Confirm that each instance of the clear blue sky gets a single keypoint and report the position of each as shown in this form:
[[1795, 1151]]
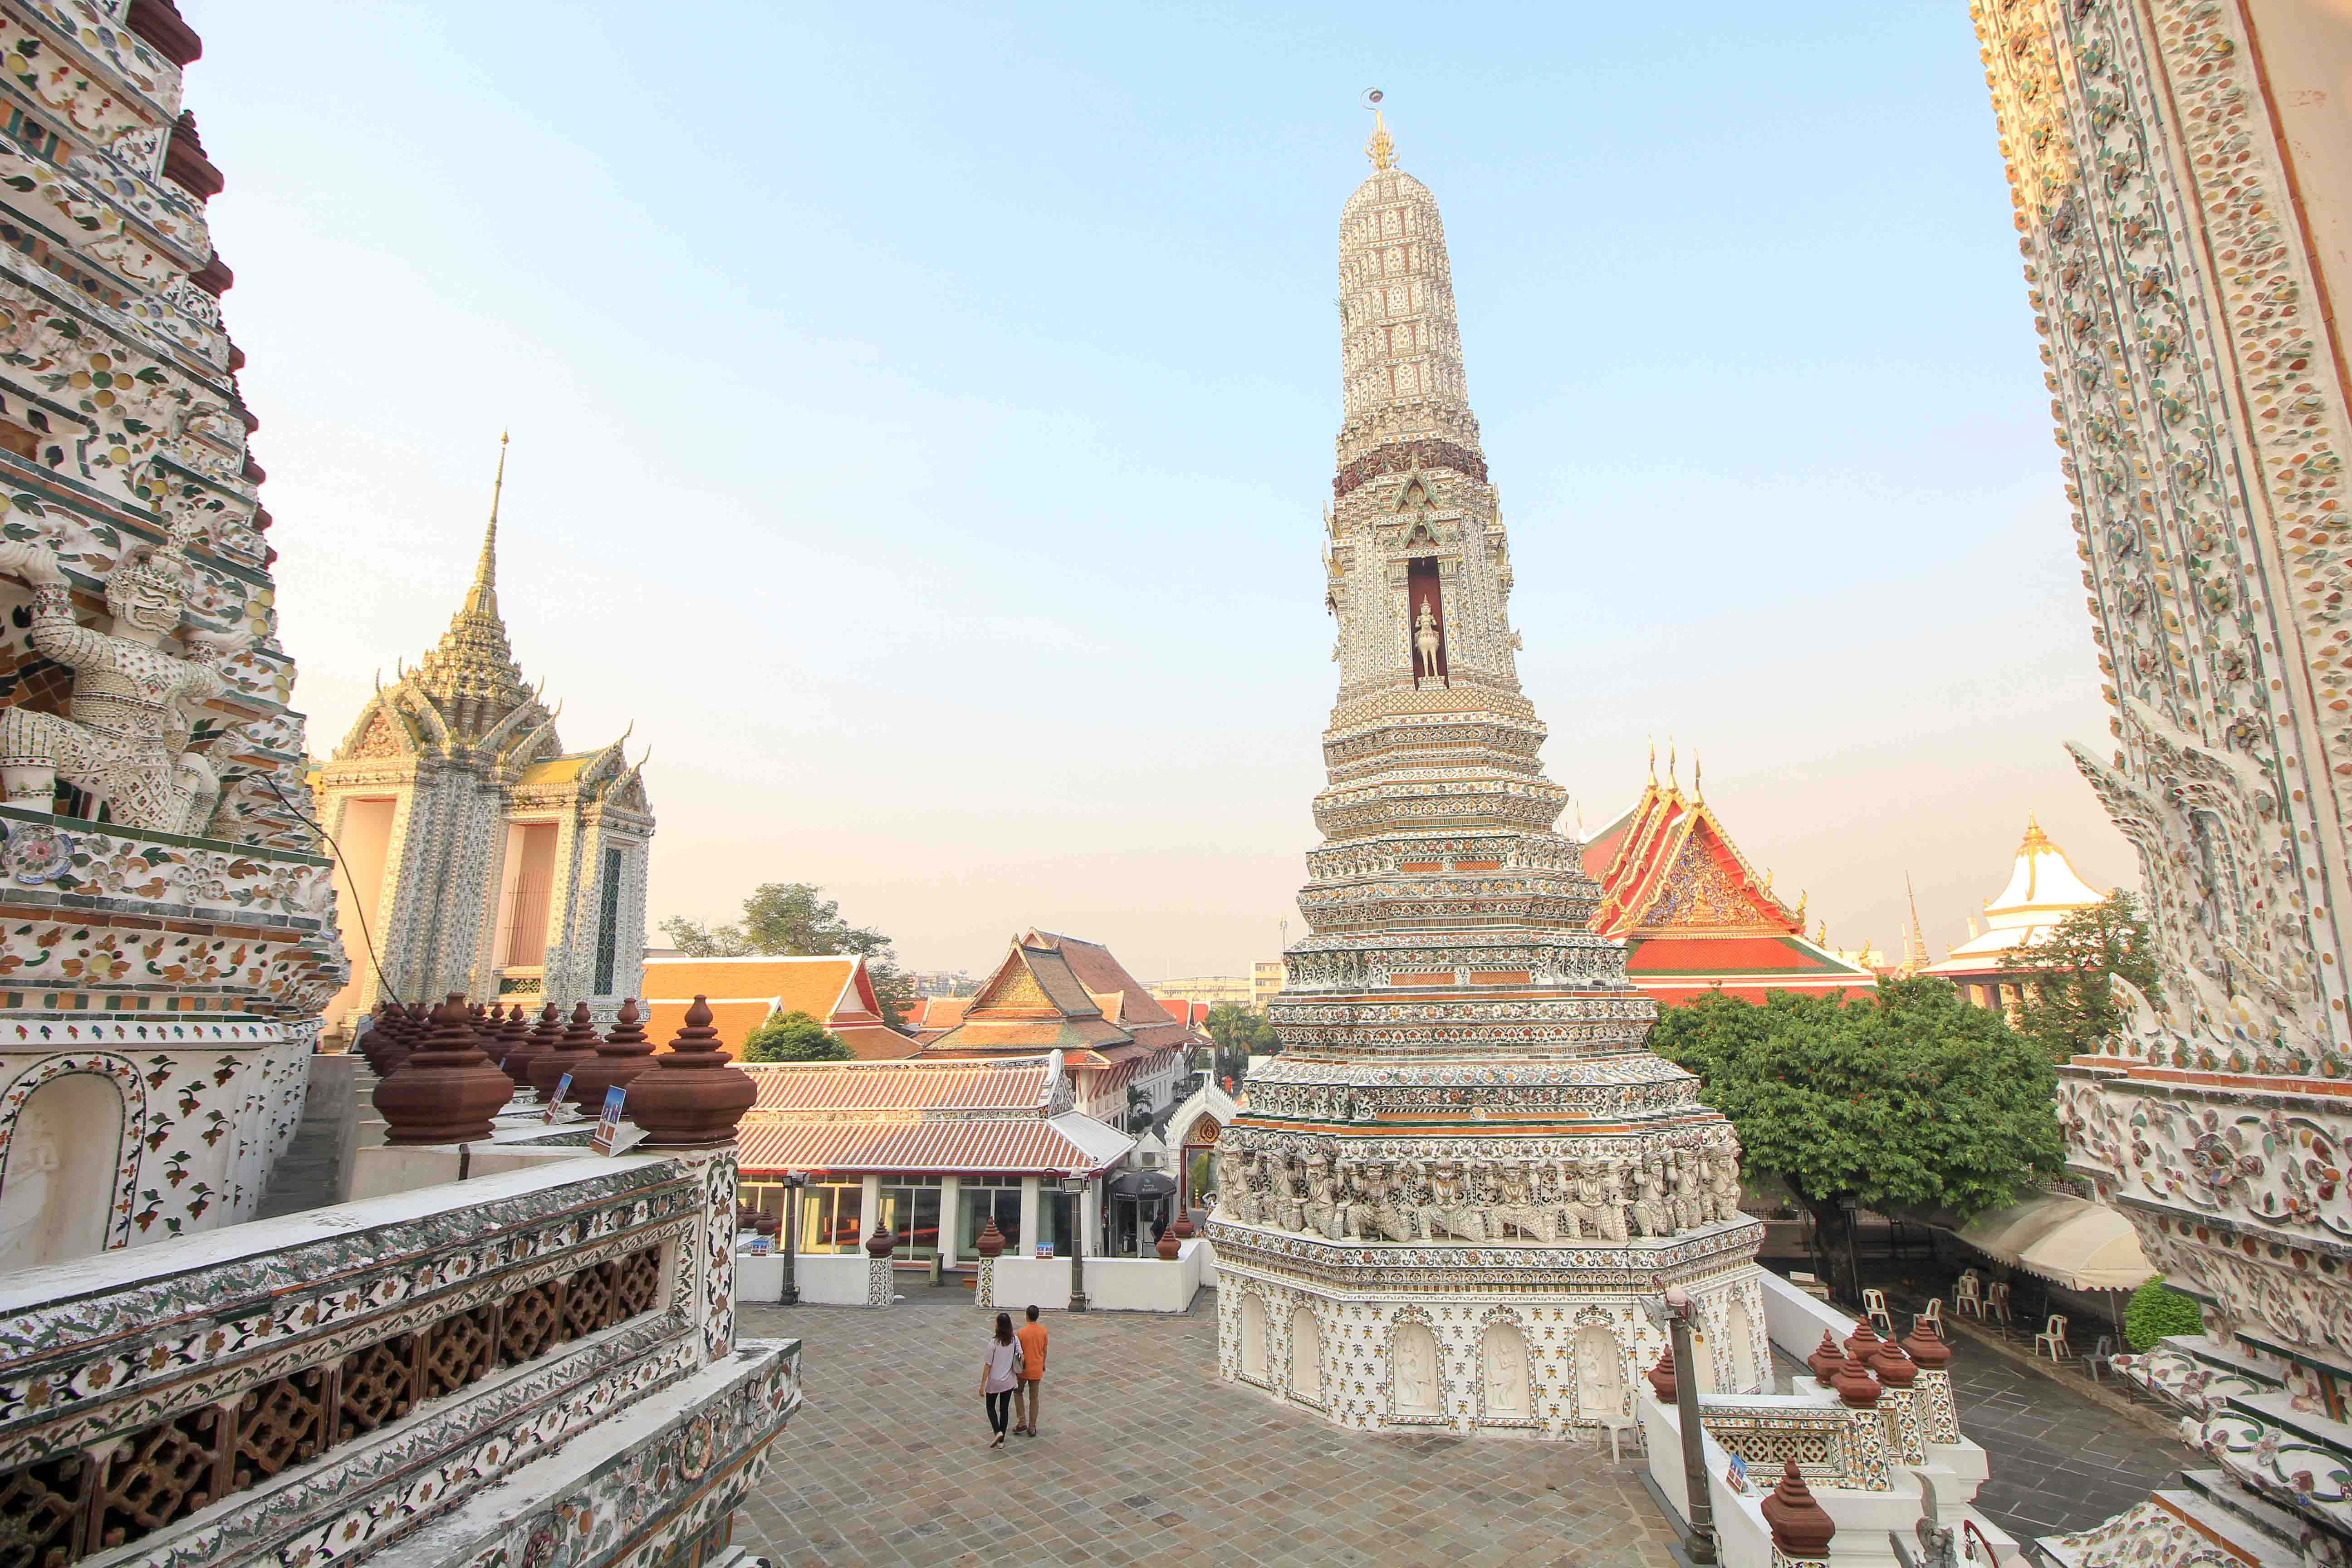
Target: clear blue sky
[[921, 418]]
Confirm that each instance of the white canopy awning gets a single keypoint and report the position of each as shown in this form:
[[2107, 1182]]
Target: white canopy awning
[[2094, 1250], [2072, 1242], [2004, 1234]]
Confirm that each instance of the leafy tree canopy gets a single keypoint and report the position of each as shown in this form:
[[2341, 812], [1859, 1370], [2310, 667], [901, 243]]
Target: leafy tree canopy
[[1908, 1100], [2156, 1310], [2066, 1005], [795, 1037], [796, 920]]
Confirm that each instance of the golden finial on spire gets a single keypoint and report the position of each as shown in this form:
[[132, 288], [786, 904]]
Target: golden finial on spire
[[1654, 759], [1699, 794], [2035, 837], [1673, 785], [1382, 148], [486, 570]]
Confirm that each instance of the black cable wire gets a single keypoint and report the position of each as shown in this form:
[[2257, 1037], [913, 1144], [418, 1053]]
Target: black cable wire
[[369, 937]]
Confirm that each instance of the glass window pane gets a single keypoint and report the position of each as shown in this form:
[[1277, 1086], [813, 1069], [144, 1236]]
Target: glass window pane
[[1008, 1217], [849, 1206], [923, 1239]]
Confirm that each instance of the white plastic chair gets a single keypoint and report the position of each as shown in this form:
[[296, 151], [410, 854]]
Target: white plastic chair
[[2054, 1339], [1933, 1316], [1617, 1426], [1967, 1296], [1874, 1307]]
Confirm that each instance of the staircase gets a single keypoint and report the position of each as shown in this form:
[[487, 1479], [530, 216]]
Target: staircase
[[304, 1178]]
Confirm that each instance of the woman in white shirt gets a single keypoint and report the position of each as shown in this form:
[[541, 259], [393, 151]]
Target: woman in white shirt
[[1000, 1374]]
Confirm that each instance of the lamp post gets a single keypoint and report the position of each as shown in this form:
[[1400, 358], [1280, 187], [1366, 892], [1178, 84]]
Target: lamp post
[[1701, 1545], [1074, 1184], [790, 1295]]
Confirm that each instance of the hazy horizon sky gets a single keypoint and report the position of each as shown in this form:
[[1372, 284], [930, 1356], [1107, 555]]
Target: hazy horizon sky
[[921, 420]]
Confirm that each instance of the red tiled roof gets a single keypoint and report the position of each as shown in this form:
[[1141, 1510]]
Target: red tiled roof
[[1101, 974], [820, 987], [1727, 955], [982, 1084], [1024, 1145]]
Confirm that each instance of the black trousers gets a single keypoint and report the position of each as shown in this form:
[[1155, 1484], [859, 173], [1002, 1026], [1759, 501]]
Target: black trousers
[[1000, 1410]]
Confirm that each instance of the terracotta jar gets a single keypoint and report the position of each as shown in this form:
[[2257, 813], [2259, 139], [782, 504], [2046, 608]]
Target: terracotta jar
[[1661, 1376], [1182, 1229], [622, 1055], [1932, 1353], [574, 1050], [1800, 1528], [1825, 1358], [992, 1240], [388, 1044], [1894, 1369], [512, 1033], [1854, 1385], [446, 1091], [1863, 1340], [881, 1244], [518, 1057], [694, 1095], [1168, 1246]]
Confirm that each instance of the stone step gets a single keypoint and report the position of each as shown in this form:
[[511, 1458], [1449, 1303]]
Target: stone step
[[305, 1175], [2217, 1489]]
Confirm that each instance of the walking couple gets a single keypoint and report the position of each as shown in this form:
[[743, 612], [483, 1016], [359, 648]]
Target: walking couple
[[1013, 1367]]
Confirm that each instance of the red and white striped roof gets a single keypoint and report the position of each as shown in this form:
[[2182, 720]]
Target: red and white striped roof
[[979, 1145], [968, 1084]]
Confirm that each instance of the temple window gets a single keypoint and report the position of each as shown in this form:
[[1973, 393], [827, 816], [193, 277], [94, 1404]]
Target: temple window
[[524, 890], [977, 1202], [608, 922], [830, 1215], [910, 1211]]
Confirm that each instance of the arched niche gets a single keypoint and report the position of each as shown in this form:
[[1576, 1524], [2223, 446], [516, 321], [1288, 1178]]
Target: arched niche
[[1504, 1368], [58, 1187], [1306, 1356], [1253, 1335], [1600, 1374], [1416, 1379], [1740, 1330]]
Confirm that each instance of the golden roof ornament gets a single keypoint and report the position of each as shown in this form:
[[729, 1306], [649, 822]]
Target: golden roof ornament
[[2035, 837], [1382, 148]]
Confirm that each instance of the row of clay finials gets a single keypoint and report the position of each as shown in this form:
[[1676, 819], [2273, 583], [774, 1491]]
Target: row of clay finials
[[1858, 1372], [444, 1075]]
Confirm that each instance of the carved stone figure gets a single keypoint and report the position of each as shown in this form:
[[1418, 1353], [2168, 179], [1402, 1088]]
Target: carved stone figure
[[1586, 1194], [1650, 1210], [1322, 1196], [1425, 642], [1289, 1212], [126, 742], [24, 1202], [1516, 1207], [1416, 1369], [1247, 1201], [1725, 1180]]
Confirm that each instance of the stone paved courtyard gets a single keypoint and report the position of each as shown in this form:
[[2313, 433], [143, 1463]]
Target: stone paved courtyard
[[1147, 1459]]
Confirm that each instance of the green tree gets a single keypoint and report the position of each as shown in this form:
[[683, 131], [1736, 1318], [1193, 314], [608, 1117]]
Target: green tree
[[2156, 1311], [796, 920], [2065, 1005], [795, 1037], [1239, 1034], [1910, 1100]]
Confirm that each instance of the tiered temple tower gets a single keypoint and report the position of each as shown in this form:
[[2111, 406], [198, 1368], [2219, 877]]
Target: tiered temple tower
[[1448, 1196], [2181, 173], [166, 921], [484, 856]]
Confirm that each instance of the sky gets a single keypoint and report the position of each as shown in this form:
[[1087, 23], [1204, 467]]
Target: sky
[[921, 417]]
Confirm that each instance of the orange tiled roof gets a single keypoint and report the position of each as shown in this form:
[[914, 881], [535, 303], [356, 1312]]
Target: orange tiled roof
[[1004, 1144], [1023, 1083]]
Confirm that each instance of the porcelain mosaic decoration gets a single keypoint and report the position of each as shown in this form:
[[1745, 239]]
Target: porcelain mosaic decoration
[[167, 931], [2167, 176], [1452, 1189]]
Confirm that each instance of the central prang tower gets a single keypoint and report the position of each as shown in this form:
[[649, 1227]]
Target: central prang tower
[[1444, 1201]]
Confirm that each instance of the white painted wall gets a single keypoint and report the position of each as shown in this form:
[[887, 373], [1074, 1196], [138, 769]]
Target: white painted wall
[[825, 1278], [1113, 1284]]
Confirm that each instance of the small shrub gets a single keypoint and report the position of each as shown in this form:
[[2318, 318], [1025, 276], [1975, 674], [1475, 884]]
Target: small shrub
[[2156, 1310]]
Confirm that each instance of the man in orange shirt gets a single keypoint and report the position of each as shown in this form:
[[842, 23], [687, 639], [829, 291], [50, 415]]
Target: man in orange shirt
[[1032, 1372]]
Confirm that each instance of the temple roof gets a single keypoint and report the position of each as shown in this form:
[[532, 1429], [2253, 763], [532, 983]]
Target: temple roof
[[466, 701], [1059, 993], [2044, 888], [1694, 915], [742, 993]]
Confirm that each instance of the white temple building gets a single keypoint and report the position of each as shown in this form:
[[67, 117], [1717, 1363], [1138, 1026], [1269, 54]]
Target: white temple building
[[484, 858], [2044, 890]]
